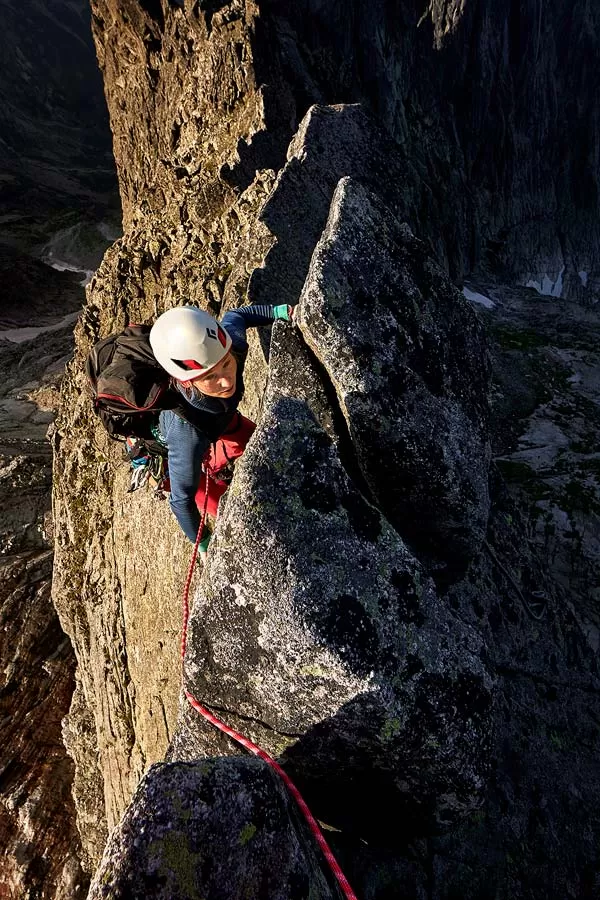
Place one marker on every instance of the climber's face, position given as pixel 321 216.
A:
pixel 220 381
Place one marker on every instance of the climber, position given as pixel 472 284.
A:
pixel 205 360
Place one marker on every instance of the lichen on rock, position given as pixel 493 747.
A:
pixel 195 827
pixel 409 363
pixel 316 621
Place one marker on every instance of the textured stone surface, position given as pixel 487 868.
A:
pixel 480 97
pixel 334 636
pixel 203 100
pixel 536 833
pixel 332 142
pixel 220 828
pixel 123 609
pixel 546 401
pixel 37 816
pixel 38 837
pixel 55 171
pixel 196 82
pixel 407 358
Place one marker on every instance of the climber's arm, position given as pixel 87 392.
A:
pixel 236 321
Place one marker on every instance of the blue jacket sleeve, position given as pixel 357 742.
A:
pixel 187 447
pixel 236 321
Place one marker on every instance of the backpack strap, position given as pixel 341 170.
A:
pixel 212 426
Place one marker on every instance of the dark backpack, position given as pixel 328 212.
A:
pixel 130 388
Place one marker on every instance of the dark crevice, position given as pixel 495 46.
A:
pixel 223 712
pixel 346 450
pixel 154 10
pixel 209 8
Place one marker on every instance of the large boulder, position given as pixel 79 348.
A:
pixel 220 828
pixel 317 629
pixel 408 361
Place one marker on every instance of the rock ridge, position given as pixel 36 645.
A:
pixel 377 630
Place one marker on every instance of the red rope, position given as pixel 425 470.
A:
pixel 190 574
pixel 248 744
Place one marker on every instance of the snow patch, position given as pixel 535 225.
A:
pixel 583 277
pixel 546 286
pixel 474 297
pixel 62 266
pixel 18 335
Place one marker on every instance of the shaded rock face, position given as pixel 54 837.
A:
pixel 546 424
pixel 55 151
pixel 39 840
pixel 220 809
pixel 33 293
pixel 535 833
pixel 482 99
pixel 318 627
pixel 409 365
pixel 37 833
pixel 332 142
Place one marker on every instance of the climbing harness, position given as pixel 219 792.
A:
pixel 244 741
pixel 220 472
pixel 147 468
pixel 224 474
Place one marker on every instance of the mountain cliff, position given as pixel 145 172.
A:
pixel 55 152
pixel 56 175
pixel 404 637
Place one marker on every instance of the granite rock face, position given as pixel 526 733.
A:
pixel 189 91
pixel 336 640
pixel 401 610
pixel 408 361
pixel 332 142
pixel 40 844
pixel 219 828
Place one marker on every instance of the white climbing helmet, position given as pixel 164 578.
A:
pixel 187 342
